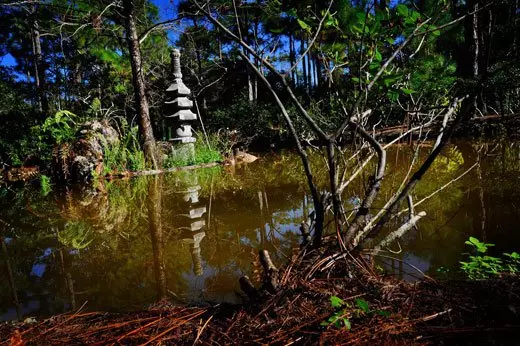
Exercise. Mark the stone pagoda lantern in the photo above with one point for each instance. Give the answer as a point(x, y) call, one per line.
point(192, 224)
point(178, 113)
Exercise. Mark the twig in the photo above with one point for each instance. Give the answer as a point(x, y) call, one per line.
point(202, 329)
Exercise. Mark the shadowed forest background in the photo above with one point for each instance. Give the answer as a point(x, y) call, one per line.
point(73, 56)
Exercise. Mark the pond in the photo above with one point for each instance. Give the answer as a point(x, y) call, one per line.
point(189, 236)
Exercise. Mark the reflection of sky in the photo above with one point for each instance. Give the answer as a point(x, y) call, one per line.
point(31, 307)
point(406, 263)
point(38, 269)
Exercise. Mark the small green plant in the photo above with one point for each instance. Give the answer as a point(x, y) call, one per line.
point(125, 154)
point(345, 311)
point(45, 185)
point(482, 266)
point(61, 127)
point(339, 318)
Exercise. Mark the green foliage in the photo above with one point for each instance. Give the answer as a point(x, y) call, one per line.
point(61, 127)
point(482, 266)
point(125, 154)
point(248, 121)
point(45, 185)
point(75, 235)
point(339, 318)
point(478, 245)
point(344, 312)
point(203, 154)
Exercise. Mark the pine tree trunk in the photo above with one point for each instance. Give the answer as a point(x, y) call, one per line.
point(476, 48)
point(316, 70)
point(39, 69)
point(251, 95)
point(309, 67)
point(292, 60)
point(145, 125)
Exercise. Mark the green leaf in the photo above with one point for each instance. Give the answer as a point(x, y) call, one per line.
point(407, 91)
point(383, 313)
point(347, 324)
point(473, 240)
point(378, 56)
point(304, 25)
point(336, 302)
point(402, 10)
point(363, 305)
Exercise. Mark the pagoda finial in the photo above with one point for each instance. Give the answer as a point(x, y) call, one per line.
point(176, 57)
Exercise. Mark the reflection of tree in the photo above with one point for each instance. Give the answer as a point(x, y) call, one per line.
point(156, 233)
point(67, 278)
point(10, 277)
point(118, 268)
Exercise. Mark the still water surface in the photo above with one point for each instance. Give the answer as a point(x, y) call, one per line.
point(188, 236)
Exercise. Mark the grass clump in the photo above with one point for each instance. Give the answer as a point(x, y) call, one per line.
point(205, 152)
point(126, 154)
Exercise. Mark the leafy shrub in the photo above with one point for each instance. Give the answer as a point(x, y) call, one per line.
point(482, 266)
point(61, 127)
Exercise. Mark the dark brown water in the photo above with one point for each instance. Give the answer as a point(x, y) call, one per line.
point(189, 236)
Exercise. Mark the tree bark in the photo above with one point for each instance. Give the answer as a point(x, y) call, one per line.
point(145, 125)
point(304, 65)
point(292, 60)
point(309, 67)
point(39, 69)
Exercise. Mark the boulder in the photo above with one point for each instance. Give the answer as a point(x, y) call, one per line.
point(75, 162)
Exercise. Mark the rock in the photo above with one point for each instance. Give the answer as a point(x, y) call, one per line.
point(75, 162)
point(243, 157)
point(30, 320)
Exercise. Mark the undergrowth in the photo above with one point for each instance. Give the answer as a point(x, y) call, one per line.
point(482, 266)
point(205, 152)
point(126, 154)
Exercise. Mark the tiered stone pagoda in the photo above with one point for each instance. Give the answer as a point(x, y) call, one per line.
point(192, 224)
point(179, 115)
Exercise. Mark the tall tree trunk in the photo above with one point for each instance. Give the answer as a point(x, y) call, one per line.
point(468, 57)
point(476, 48)
point(292, 60)
point(309, 67)
point(145, 125)
point(251, 96)
point(39, 69)
point(304, 65)
point(316, 70)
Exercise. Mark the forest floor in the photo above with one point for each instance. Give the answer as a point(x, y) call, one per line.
point(378, 309)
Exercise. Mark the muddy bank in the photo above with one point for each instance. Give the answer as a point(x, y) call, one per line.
point(379, 310)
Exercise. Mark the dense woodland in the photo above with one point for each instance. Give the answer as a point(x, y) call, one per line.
point(111, 60)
